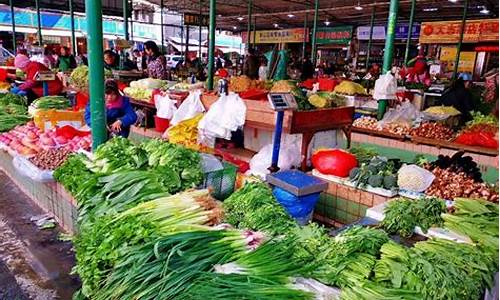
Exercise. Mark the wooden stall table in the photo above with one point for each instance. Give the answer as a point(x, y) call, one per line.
point(260, 116)
point(149, 111)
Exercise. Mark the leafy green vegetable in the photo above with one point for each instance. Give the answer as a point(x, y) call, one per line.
point(10, 98)
point(51, 102)
point(351, 256)
point(477, 219)
point(254, 207)
point(363, 154)
point(73, 173)
point(403, 215)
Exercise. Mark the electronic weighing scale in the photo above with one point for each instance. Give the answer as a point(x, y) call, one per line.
point(279, 102)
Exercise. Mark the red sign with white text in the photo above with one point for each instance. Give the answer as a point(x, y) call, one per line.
point(449, 32)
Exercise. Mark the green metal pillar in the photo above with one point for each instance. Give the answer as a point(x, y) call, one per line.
point(13, 17)
point(249, 22)
point(72, 25)
point(199, 31)
point(125, 19)
point(314, 53)
point(161, 26)
point(211, 46)
point(369, 48)
point(39, 22)
point(460, 41)
point(410, 31)
point(389, 49)
point(93, 10)
point(254, 31)
point(304, 42)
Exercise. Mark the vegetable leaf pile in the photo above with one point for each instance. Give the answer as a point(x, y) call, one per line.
point(254, 207)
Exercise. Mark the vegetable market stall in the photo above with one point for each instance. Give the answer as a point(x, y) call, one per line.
point(261, 116)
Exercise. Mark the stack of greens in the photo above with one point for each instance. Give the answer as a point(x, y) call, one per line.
point(73, 173)
point(13, 112)
point(477, 219)
point(437, 269)
point(117, 154)
point(254, 207)
point(52, 102)
point(184, 161)
point(403, 215)
point(351, 256)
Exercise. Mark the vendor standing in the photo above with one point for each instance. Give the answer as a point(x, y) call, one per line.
point(251, 66)
point(66, 61)
point(120, 115)
point(32, 88)
point(156, 62)
point(460, 97)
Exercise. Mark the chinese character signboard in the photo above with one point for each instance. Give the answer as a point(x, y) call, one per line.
point(334, 35)
point(194, 19)
point(294, 35)
point(402, 32)
point(363, 33)
point(466, 62)
point(449, 32)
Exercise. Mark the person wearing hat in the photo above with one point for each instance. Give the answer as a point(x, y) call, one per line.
point(32, 88)
point(459, 96)
point(120, 115)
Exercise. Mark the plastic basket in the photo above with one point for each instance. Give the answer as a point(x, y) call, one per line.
point(221, 182)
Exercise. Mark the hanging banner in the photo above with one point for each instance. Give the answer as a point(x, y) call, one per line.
point(363, 33)
point(340, 35)
point(466, 62)
point(293, 35)
point(402, 31)
point(449, 32)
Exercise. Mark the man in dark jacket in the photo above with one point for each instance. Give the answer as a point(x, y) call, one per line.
point(252, 64)
point(459, 96)
point(307, 69)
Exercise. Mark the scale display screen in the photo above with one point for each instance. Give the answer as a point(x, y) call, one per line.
point(282, 101)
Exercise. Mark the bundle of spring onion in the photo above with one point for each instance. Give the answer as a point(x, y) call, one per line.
point(104, 244)
point(11, 115)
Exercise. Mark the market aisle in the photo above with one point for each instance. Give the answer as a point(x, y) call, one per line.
point(34, 264)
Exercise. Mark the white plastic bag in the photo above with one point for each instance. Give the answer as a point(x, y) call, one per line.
point(224, 116)
point(385, 87)
point(414, 178)
point(404, 113)
point(290, 156)
point(165, 107)
point(189, 108)
point(26, 168)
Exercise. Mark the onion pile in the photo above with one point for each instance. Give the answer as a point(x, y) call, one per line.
point(29, 140)
point(50, 159)
point(433, 131)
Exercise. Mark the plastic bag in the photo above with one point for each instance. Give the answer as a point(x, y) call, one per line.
point(385, 87)
point(404, 113)
point(320, 290)
point(414, 178)
point(189, 108)
point(290, 155)
point(26, 168)
point(224, 116)
point(483, 139)
point(300, 208)
point(165, 107)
